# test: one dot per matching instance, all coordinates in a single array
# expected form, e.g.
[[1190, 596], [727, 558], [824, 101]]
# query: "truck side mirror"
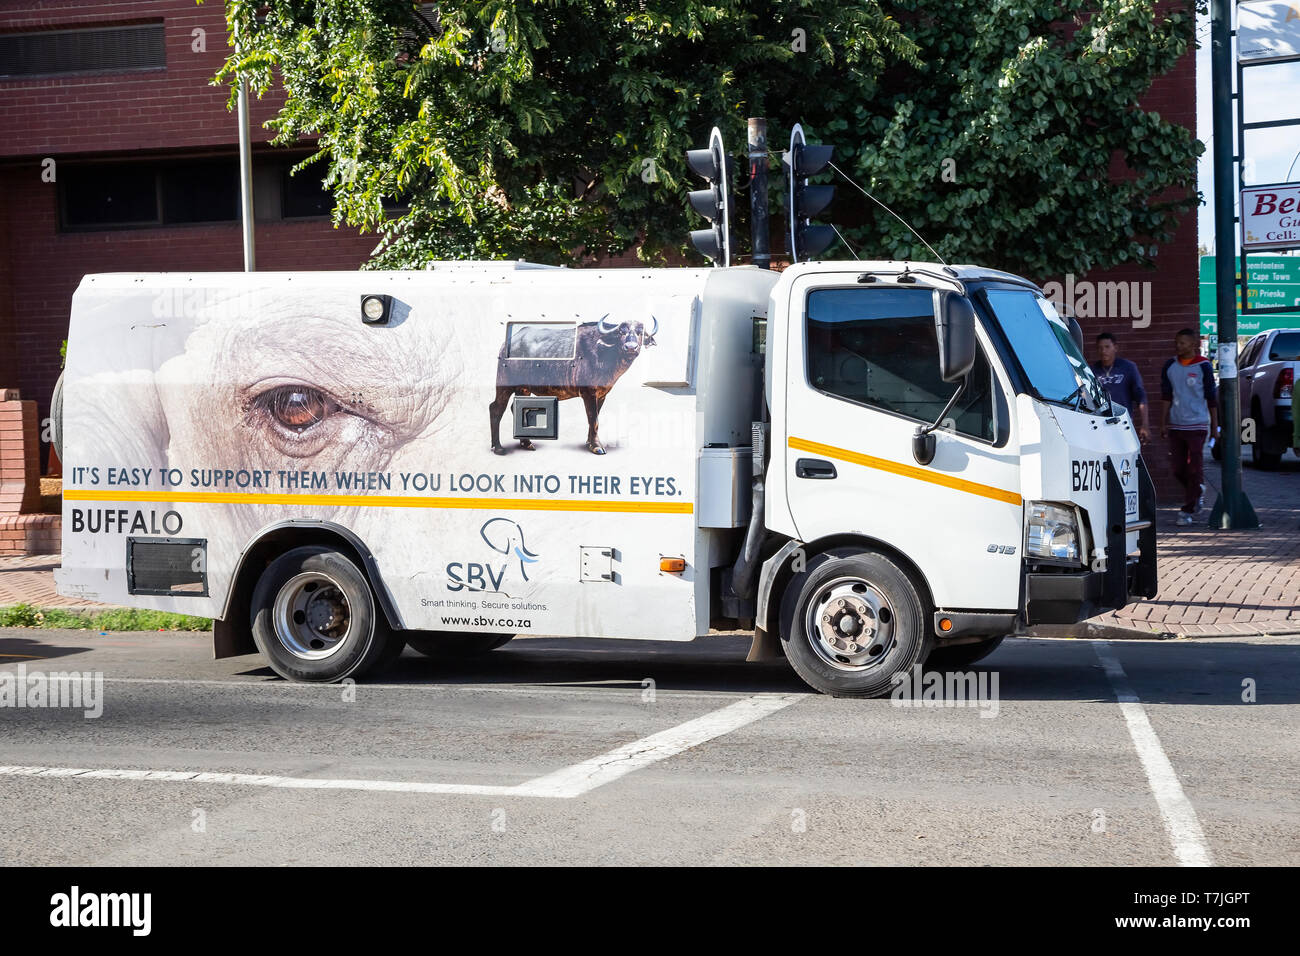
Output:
[[954, 324], [955, 327]]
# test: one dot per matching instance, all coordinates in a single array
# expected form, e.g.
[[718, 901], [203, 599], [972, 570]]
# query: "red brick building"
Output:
[[116, 154], [112, 101]]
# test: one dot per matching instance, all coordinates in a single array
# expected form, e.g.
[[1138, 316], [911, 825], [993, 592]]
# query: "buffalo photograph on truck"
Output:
[[566, 361]]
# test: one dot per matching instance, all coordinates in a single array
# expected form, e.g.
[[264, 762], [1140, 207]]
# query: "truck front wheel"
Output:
[[315, 618], [851, 622]]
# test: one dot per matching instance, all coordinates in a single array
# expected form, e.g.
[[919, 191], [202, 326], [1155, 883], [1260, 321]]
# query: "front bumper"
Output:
[[1074, 596]]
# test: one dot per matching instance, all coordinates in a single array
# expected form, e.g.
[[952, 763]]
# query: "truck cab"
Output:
[[943, 422]]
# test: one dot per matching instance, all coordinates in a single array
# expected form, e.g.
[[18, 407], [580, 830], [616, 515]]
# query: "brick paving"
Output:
[[29, 579], [1221, 583], [1212, 583]]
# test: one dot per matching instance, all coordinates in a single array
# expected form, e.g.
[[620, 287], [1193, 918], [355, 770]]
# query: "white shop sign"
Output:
[[1270, 216]]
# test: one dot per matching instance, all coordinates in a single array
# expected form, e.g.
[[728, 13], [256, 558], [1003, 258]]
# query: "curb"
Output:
[[1114, 632], [73, 608]]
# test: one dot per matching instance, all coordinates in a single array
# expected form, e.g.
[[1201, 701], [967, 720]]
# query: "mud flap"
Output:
[[766, 646], [1145, 579], [231, 641], [1114, 591]]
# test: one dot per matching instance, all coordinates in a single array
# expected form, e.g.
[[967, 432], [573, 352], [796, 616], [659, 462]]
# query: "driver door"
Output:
[[862, 375]]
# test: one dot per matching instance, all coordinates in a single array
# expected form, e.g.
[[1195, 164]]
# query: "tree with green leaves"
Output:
[[1008, 133]]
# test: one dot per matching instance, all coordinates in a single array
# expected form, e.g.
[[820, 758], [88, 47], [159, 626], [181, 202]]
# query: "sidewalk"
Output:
[[1212, 583], [30, 580], [1224, 583]]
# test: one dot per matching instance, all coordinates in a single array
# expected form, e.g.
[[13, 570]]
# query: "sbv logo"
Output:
[[505, 537], [1125, 472]]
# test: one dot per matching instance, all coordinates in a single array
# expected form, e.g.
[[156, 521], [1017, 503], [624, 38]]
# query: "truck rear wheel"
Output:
[[315, 618], [851, 622], [962, 655], [445, 644]]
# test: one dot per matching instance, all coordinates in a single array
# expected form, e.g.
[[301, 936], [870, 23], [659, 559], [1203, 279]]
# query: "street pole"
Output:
[[246, 178], [758, 211], [1232, 509]]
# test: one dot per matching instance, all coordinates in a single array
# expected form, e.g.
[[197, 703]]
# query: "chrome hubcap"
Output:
[[312, 616], [850, 624]]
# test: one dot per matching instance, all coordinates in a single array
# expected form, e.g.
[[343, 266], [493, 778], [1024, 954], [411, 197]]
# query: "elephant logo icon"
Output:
[[505, 536]]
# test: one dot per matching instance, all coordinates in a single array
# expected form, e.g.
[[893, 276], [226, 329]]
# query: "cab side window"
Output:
[[1248, 354], [877, 347]]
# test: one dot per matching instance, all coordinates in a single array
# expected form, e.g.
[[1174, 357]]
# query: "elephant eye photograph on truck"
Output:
[[766, 441]]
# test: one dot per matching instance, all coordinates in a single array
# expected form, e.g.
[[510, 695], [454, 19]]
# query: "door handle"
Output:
[[813, 468]]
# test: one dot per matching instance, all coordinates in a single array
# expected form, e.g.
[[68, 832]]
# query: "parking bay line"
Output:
[[567, 783], [1176, 811]]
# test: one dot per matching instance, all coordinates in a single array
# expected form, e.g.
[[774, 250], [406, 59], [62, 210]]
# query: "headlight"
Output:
[[1051, 531]]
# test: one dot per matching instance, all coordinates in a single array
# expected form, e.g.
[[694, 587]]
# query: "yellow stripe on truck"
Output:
[[381, 501], [907, 471]]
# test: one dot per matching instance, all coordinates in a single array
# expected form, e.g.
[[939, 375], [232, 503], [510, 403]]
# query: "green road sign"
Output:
[[1274, 282]]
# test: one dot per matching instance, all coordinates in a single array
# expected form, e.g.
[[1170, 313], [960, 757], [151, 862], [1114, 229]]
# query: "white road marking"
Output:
[[598, 771], [563, 784], [1177, 812], [253, 780]]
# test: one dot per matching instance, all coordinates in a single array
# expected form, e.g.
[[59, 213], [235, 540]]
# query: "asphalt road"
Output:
[[743, 764]]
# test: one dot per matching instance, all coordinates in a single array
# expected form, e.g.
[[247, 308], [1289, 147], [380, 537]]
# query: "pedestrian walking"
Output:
[[1190, 415], [1122, 381]]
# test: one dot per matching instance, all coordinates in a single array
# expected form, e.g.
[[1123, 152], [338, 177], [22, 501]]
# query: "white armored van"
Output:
[[870, 464]]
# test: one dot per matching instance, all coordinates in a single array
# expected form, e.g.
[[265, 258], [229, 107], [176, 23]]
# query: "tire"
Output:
[[1264, 460], [448, 644], [1265, 452], [961, 655], [315, 618], [56, 417], [881, 600]]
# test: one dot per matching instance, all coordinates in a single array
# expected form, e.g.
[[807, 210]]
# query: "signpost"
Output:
[[1232, 509]]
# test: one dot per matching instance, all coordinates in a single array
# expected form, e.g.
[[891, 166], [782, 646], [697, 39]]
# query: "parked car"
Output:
[[1266, 377]]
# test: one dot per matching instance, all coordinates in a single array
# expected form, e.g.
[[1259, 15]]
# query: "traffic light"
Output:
[[714, 203], [804, 201]]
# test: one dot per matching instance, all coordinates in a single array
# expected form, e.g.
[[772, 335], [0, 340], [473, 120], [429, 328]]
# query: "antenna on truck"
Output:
[[890, 211]]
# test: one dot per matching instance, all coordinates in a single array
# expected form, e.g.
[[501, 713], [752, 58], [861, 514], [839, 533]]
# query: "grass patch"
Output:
[[114, 619]]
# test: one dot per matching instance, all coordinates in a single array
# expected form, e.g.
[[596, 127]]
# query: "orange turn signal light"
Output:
[[672, 565], [945, 624]]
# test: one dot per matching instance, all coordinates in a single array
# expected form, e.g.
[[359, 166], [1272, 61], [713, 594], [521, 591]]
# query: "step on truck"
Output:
[[869, 465]]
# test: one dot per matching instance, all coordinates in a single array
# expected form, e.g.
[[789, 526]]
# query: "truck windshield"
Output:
[[1041, 339]]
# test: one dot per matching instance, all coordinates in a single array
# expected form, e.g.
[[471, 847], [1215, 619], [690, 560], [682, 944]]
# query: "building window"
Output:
[[109, 196], [304, 195], [116, 49], [206, 191], [122, 195]]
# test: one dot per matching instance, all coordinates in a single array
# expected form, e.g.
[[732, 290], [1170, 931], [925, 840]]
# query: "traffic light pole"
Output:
[[758, 211], [1232, 509]]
